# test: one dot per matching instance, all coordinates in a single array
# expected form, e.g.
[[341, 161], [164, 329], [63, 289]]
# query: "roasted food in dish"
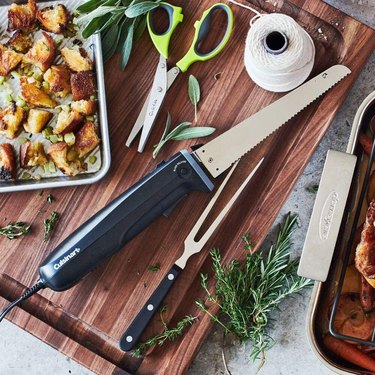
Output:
[[365, 252], [9, 60], [34, 95], [59, 154], [8, 169], [86, 139], [42, 53], [22, 17], [53, 18], [84, 107], [20, 42], [37, 120], [68, 122], [83, 85], [32, 154], [11, 119], [77, 60], [58, 79]]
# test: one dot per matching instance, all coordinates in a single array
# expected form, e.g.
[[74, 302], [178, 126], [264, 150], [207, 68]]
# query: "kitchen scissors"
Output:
[[164, 78]]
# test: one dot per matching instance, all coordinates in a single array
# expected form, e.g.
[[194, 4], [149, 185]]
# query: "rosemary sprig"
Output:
[[49, 224], [169, 334], [120, 22], [248, 292], [180, 132], [12, 231]]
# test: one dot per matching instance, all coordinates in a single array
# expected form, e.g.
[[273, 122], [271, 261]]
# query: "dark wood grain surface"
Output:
[[87, 321]]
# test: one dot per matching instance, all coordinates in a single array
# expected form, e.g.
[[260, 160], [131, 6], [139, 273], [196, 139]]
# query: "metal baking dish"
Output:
[[102, 153], [324, 252]]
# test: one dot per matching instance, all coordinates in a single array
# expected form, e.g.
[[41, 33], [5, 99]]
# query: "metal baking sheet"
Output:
[[95, 171]]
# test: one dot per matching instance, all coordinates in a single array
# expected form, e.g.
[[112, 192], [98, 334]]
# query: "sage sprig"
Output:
[[194, 92], [120, 23], [181, 132]]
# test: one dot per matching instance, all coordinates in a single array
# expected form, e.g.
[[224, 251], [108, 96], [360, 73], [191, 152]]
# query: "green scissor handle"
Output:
[[202, 28], [161, 41]]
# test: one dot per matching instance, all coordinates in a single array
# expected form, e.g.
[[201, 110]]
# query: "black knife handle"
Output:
[[132, 335], [107, 231]]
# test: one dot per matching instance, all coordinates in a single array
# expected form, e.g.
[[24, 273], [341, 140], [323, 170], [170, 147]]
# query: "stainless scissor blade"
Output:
[[171, 76]]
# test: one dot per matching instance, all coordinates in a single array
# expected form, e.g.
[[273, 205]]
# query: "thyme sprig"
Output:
[[248, 292], [169, 334], [12, 231], [49, 224]]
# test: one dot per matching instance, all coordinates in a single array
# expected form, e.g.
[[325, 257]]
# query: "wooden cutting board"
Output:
[[87, 321]]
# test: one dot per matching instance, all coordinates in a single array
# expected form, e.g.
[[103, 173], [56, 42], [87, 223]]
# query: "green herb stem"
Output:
[[49, 224], [12, 231]]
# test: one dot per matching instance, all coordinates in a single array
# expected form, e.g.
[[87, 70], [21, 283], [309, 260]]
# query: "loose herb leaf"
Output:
[[313, 188], [127, 47], [12, 231], [138, 9], [248, 292], [180, 132], [110, 41], [49, 224], [50, 198], [154, 267], [168, 334], [194, 93]]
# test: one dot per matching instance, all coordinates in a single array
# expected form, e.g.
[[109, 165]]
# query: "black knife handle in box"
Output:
[[107, 231], [143, 318]]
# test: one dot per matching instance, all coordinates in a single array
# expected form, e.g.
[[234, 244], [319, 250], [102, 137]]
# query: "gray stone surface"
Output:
[[21, 353]]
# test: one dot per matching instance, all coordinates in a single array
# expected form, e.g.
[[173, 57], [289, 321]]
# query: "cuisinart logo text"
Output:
[[327, 215], [66, 258]]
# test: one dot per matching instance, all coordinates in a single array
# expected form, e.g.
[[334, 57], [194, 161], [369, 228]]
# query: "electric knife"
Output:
[[112, 227]]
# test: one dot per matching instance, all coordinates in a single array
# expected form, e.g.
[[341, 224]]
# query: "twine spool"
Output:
[[279, 54]]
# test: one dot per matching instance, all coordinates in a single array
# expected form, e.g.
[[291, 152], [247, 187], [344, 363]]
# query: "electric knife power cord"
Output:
[[29, 292]]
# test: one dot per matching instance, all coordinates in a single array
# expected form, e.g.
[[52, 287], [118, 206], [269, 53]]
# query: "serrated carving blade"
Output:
[[220, 153]]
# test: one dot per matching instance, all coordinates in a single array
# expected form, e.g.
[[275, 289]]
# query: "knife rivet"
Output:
[[210, 160], [170, 276], [150, 307], [129, 338]]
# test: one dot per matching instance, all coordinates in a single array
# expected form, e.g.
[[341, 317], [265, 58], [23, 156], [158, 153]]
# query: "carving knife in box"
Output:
[[116, 224]]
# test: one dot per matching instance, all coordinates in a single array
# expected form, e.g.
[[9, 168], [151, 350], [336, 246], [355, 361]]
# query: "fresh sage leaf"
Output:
[[140, 28], [179, 133], [89, 6], [94, 25], [138, 9], [99, 12], [110, 40], [127, 48], [194, 92], [196, 132]]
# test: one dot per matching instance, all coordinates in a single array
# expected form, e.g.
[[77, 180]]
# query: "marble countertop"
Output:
[[21, 353]]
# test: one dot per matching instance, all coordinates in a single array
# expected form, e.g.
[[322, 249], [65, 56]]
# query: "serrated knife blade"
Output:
[[220, 153]]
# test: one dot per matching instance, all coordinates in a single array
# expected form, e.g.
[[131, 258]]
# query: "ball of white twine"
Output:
[[283, 71]]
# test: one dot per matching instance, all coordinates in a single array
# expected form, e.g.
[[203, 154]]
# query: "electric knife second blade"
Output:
[[220, 153]]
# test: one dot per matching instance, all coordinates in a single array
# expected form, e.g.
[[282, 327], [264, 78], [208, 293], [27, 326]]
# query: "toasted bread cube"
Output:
[[8, 60], [32, 155], [37, 120], [41, 53], [83, 85], [53, 19], [11, 119], [86, 139], [20, 42], [84, 107], [35, 96], [68, 122], [59, 154], [8, 168], [77, 60], [22, 17], [58, 78]]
